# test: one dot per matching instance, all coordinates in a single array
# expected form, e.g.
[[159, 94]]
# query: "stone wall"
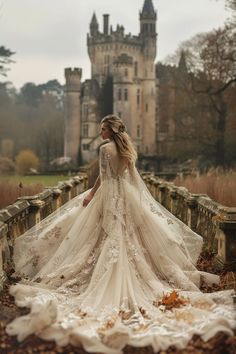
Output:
[[213, 221], [27, 211]]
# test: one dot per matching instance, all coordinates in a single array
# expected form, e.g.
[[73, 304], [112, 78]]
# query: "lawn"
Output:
[[41, 179]]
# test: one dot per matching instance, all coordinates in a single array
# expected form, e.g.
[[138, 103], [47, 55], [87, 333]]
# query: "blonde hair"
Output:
[[120, 137]]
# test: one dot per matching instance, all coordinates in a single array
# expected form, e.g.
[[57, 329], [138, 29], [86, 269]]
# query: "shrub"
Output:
[[26, 160]]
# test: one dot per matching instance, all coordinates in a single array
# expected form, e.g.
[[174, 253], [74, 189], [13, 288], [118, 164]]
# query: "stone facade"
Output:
[[125, 64]]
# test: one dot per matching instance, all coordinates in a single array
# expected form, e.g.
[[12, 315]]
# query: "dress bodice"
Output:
[[112, 165]]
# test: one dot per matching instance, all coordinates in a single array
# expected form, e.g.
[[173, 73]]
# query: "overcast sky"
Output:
[[49, 35]]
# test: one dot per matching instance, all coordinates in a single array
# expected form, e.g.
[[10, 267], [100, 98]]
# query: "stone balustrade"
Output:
[[213, 221], [17, 218]]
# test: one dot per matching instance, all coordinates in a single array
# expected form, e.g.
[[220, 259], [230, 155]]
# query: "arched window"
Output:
[[126, 72], [126, 95]]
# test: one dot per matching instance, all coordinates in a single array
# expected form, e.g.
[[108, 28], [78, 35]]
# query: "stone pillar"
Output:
[[191, 203], [4, 253], [226, 238], [35, 211]]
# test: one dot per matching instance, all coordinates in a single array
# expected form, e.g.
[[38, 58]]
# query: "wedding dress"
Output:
[[96, 276]]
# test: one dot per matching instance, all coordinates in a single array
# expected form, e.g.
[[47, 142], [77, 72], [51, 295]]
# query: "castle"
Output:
[[123, 82]]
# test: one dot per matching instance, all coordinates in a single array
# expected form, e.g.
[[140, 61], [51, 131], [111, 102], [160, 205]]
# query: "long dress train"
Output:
[[96, 276]]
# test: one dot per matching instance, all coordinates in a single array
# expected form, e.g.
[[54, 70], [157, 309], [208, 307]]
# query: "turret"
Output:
[[94, 27], [148, 33], [73, 79], [72, 113], [148, 18]]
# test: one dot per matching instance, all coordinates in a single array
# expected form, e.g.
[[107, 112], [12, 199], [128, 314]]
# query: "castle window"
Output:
[[85, 147], [119, 95], [126, 95], [85, 130], [107, 59], [146, 107], [120, 114], [138, 131], [138, 97], [136, 68], [86, 110], [146, 149], [126, 72]]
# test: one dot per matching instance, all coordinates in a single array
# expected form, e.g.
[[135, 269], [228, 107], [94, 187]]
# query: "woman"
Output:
[[113, 267]]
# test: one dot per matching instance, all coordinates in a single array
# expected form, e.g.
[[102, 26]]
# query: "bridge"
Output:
[[213, 221]]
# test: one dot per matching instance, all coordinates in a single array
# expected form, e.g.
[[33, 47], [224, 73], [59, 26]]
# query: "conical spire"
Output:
[[94, 25], [148, 8], [94, 20]]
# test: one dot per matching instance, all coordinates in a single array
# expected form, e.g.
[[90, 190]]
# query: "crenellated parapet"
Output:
[[73, 79]]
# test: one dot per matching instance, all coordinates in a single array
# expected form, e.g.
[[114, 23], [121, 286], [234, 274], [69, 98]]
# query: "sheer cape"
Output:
[[96, 276]]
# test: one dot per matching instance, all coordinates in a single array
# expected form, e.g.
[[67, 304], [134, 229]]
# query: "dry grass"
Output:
[[10, 191], [217, 184], [12, 187]]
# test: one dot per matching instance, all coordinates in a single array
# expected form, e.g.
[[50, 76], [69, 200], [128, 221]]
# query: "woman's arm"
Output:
[[89, 197]]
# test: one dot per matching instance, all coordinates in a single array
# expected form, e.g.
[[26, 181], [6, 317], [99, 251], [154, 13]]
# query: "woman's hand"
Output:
[[87, 200]]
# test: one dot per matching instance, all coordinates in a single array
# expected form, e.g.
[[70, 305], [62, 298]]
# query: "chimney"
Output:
[[105, 24]]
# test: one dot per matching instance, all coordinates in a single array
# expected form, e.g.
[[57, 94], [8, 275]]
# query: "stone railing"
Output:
[[213, 221], [17, 218], [92, 171]]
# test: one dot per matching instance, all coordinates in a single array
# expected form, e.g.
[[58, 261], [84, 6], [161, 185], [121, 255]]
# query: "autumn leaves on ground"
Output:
[[220, 344]]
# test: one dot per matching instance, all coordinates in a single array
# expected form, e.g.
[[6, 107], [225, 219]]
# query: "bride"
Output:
[[113, 267]]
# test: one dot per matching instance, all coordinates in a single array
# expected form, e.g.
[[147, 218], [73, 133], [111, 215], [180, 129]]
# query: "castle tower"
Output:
[[72, 113], [126, 63], [148, 38]]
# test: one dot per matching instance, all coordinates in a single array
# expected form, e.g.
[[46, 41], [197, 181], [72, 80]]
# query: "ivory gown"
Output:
[[92, 274]]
